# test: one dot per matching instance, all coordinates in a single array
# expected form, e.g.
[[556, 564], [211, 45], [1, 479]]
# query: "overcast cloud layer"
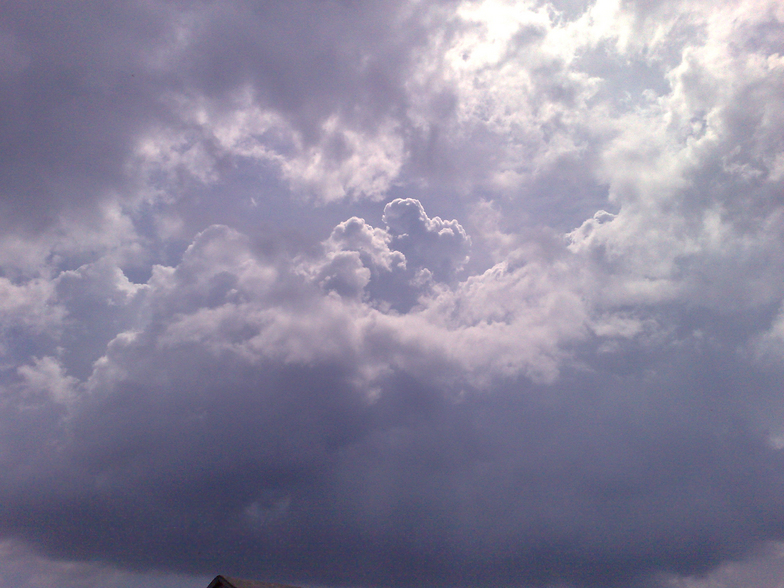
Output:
[[392, 294]]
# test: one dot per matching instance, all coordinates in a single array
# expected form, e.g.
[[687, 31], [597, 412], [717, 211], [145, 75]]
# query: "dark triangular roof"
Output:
[[226, 582]]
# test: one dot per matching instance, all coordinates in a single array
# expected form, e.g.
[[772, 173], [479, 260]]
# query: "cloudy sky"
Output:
[[395, 293]]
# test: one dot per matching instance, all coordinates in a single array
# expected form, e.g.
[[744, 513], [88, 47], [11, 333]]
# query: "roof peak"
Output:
[[230, 582]]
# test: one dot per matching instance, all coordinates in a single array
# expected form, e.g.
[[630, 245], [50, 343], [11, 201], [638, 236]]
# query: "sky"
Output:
[[392, 293]]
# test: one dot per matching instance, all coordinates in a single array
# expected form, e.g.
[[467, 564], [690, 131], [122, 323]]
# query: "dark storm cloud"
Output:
[[80, 86], [261, 437], [306, 59], [78, 93], [291, 474]]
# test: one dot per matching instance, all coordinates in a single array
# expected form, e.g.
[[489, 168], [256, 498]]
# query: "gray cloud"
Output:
[[392, 294], [298, 434]]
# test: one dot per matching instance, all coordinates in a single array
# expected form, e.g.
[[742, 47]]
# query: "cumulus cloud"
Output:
[[434, 244], [479, 293]]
